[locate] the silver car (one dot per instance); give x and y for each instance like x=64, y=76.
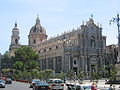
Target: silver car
x=2, y=84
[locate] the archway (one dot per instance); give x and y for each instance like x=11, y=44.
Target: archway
x=93, y=64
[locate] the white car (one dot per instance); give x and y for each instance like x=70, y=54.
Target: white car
x=56, y=84
x=2, y=84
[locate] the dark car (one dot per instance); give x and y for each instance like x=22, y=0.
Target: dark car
x=2, y=84
x=41, y=86
x=8, y=81
x=33, y=82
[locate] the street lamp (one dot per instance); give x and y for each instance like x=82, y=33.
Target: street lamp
x=117, y=21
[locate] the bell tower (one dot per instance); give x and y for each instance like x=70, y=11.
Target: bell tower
x=15, y=38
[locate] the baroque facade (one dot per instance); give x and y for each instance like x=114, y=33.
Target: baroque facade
x=82, y=49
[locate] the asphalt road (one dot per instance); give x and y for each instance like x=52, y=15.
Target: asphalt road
x=16, y=86
x=19, y=86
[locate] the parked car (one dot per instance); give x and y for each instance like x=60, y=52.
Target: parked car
x=33, y=82
x=56, y=84
x=8, y=81
x=41, y=86
x=2, y=84
x=78, y=86
x=2, y=78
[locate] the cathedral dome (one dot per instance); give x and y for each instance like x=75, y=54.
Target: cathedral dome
x=37, y=28
x=37, y=33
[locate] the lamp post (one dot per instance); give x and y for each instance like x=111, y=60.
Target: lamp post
x=117, y=21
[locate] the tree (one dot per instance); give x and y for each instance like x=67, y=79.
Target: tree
x=6, y=71
x=94, y=76
x=80, y=75
x=62, y=75
x=18, y=65
x=111, y=72
x=6, y=61
x=102, y=72
x=25, y=54
x=35, y=73
x=47, y=74
x=70, y=74
x=25, y=62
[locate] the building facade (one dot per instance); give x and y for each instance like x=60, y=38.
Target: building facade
x=111, y=54
x=83, y=49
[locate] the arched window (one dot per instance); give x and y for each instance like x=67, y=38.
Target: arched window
x=34, y=41
x=16, y=41
x=92, y=41
x=75, y=62
x=34, y=30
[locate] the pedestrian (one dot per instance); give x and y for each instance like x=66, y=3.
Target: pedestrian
x=106, y=80
x=93, y=87
x=111, y=87
x=114, y=87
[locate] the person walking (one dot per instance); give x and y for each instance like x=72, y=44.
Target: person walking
x=93, y=87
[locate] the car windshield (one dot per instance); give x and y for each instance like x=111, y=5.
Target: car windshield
x=8, y=79
x=58, y=81
x=41, y=83
x=87, y=87
x=1, y=81
x=35, y=80
x=49, y=81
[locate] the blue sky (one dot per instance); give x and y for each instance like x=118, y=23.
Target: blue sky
x=56, y=16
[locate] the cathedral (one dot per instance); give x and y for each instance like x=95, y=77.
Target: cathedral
x=82, y=49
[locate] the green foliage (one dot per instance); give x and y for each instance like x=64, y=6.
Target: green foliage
x=111, y=72
x=70, y=74
x=62, y=75
x=6, y=71
x=80, y=75
x=6, y=64
x=101, y=72
x=26, y=65
x=18, y=65
x=47, y=74
x=25, y=53
x=35, y=73
x=94, y=76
